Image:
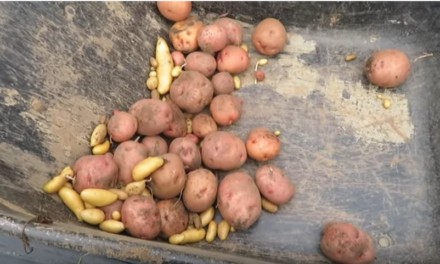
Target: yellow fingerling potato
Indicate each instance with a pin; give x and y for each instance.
(122, 195)
(68, 185)
(72, 199)
(112, 226)
(101, 149)
(89, 206)
(207, 216)
(152, 83)
(147, 193)
(93, 216)
(55, 184)
(153, 62)
(165, 65)
(116, 215)
(135, 188)
(262, 62)
(268, 206)
(67, 171)
(176, 239)
(176, 71)
(223, 230)
(98, 197)
(189, 126)
(145, 167)
(193, 235)
(98, 135)
(212, 231)
(237, 82)
(232, 229)
(245, 47)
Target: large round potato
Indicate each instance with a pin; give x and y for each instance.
(232, 59)
(274, 185)
(200, 190)
(203, 124)
(262, 144)
(201, 62)
(223, 83)
(155, 145)
(226, 109)
(183, 34)
(188, 151)
(153, 116)
(174, 10)
(174, 217)
(269, 37)
(212, 38)
(127, 155)
(233, 28)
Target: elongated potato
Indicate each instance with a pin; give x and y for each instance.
(135, 188)
(98, 135)
(207, 216)
(165, 65)
(73, 201)
(268, 206)
(55, 184)
(101, 149)
(212, 231)
(193, 235)
(176, 239)
(98, 197)
(122, 195)
(93, 216)
(223, 230)
(146, 167)
(112, 226)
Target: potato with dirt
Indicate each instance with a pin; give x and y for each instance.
(232, 59)
(168, 181)
(201, 62)
(127, 155)
(200, 190)
(233, 28)
(223, 150)
(239, 200)
(223, 83)
(191, 91)
(174, 217)
(188, 151)
(109, 209)
(269, 37)
(347, 244)
(178, 126)
(122, 126)
(184, 34)
(388, 68)
(95, 171)
(203, 124)
(262, 144)
(274, 185)
(155, 145)
(153, 116)
(175, 10)
(212, 38)
(141, 217)
(226, 109)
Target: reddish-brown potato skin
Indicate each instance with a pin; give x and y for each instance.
(168, 181)
(269, 37)
(212, 38)
(193, 138)
(95, 171)
(388, 68)
(226, 109)
(200, 190)
(174, 217)
(260, 75)
(109, 209)
(155, 145)
(153, 116)
(347, 244)
(223, 83)
(203, 124)
(141, 217)
(262, 144)
(239, 200)
(191, 91)
(274, 185)
(222, 150)
(232, 59)
(122, 126)
(177, 127)
(233, 28)
(174, 10)
(127, 155)
(188, 151)
(201, 62)
(178, 58)
(183, 34)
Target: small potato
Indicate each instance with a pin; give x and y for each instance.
(188, 151)
(388, 68)
(112, 226)
(260, 75)
(262, 144)
(135, 188)
(347, 244)
(268, 206)
(122, 195)
(93, 216)
(168, 181)
(109, 209)
(212, 231)
(98, 135)
(98, 197)
(207, 216)
(274, 185)
(212, 38)
(232, 59)
(201, 62)
(183, 34)
(223, 230)
(55, 184)
(122, 126)
(193, 235)
(233, 28)
(191, 92)
(226, 109)
(174, 10)
(127, 155)
(178, 58)
(174, 217)
(269, 37)
(200, 190)
(155, 145)
(239, 200)
(153, 116)
(203, 124)
(141, 217)
(177, 127)
(146, 167)
(223, 83)
(223, 150)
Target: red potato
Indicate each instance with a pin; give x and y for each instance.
(127, 155)
(174, 217)
(183, 34)
(95, 171)
(260, 75)
(223, 83)
(232, 59)
(109, 209)
(212, 38)
(153, 116)
(174, 10)
(178, 58)
(168, 181)
(156, 146)
(193, 138)
(262, 145)
(347, 244)
(223, 150)
(233, 28)
(122, 126)
(274, 185)
(239, 200)
(200, 190)
(191, 91)
(269, 37)
(203, 124)
(201, 62)
(226, 109)
(177, 127)
(188, 151)
(141, 217)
